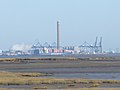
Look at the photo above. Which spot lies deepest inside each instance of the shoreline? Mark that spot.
(51, 66)
(108, 58)
(31, 79)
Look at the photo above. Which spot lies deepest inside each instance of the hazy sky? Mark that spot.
(27, 21)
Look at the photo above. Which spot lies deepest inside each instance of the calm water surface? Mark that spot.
(111, 76)
(71, 73)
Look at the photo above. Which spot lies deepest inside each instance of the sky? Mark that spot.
(29, 21)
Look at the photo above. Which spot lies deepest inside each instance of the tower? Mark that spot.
(58, 35)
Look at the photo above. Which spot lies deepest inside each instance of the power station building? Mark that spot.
(56, 48)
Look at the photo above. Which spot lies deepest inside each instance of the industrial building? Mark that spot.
(56, 48)
(85, 48)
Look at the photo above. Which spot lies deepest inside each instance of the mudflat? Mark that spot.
(49, 68)
(54, 66)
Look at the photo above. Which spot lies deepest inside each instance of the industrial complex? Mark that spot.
(55, 48)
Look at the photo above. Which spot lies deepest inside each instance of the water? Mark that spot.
(105, 76)
(69, 55)
(85, 73)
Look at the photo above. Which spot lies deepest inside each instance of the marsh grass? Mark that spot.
(42, 88)
(94, 89)
(57, 58)
(19, 59)
(9, 78)
(95, 85)
(12, 74)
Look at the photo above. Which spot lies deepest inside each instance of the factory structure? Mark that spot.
(56, 48)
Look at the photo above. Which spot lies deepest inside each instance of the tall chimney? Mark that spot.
(58, 35)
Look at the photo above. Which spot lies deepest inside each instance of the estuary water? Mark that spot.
(105, 76)
(71, 73)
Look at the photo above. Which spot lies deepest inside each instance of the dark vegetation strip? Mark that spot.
(60, 58)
